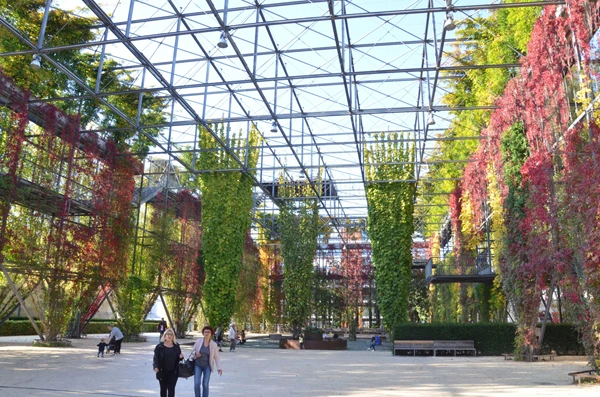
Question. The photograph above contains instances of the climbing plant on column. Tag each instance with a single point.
(271, 285)
(226, 205)
(248, 302)
(181, 281)
(391, 222)
(299, 228)
(351, 264)
(138, 291)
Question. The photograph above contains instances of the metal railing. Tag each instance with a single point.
(473, 264)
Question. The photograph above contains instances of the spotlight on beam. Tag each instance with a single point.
(449, 22)
(223, 41)
(430, 119)
(36, 64)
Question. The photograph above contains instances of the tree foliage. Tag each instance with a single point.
(63, 29)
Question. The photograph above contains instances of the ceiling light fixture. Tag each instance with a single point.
(449, 22)
(274, 126)
(223, 40)
(36, 64)
(430, 119)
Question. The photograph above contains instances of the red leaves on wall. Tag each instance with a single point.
(475, 182)
(455, 210)
(186, 250)
(73, 171)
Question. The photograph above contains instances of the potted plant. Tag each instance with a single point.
(313, 333)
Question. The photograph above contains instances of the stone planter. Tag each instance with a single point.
(327, 344)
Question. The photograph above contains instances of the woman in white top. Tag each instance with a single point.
(207, 357)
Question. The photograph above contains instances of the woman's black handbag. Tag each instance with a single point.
(186, 368)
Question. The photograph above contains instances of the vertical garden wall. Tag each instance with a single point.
(68, 194)
(540, 152)
(353, 276)
(498, 38)
(64, 225)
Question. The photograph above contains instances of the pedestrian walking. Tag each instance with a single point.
(232, 333)
(207, 357)
(101, 346)
(162, 326)
(166, 363)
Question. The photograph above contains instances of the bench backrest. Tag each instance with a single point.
(413, 344)
(454, 344)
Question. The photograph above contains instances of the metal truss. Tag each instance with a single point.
(318, 79)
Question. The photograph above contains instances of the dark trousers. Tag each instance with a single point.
(118, 346)
(167, 384)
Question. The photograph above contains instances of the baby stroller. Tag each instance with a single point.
(111, 345)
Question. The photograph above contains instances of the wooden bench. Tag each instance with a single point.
(454, 346)
(426, 346)
(587, 374)
(413, 346)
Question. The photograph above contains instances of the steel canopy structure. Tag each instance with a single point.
(317, 78)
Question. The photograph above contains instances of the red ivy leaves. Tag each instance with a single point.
(475, 182)
(538, 98)
(455, 210)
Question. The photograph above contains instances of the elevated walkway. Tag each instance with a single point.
(43, 199)
(467, 269)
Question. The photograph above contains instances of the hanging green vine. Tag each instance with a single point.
(299, 227)
(138, 293)
(390, 210)
(182, 281)
(226, 205)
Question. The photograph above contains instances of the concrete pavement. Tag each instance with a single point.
(269, 372)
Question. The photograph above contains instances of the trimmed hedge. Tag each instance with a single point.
(562, 338)
(492, 338)
(18, 327)
(14, 327)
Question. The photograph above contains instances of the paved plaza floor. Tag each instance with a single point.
(257, 370)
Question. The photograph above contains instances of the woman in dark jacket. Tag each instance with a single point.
(165, 363)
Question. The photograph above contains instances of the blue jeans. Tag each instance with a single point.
(201, 373)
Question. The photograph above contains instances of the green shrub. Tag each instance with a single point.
(313, 333)
(20, 326)
(492, 338)
(563, 339)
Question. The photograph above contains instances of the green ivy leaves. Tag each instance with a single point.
(226, 205)
(299, 227)
(390, 210)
